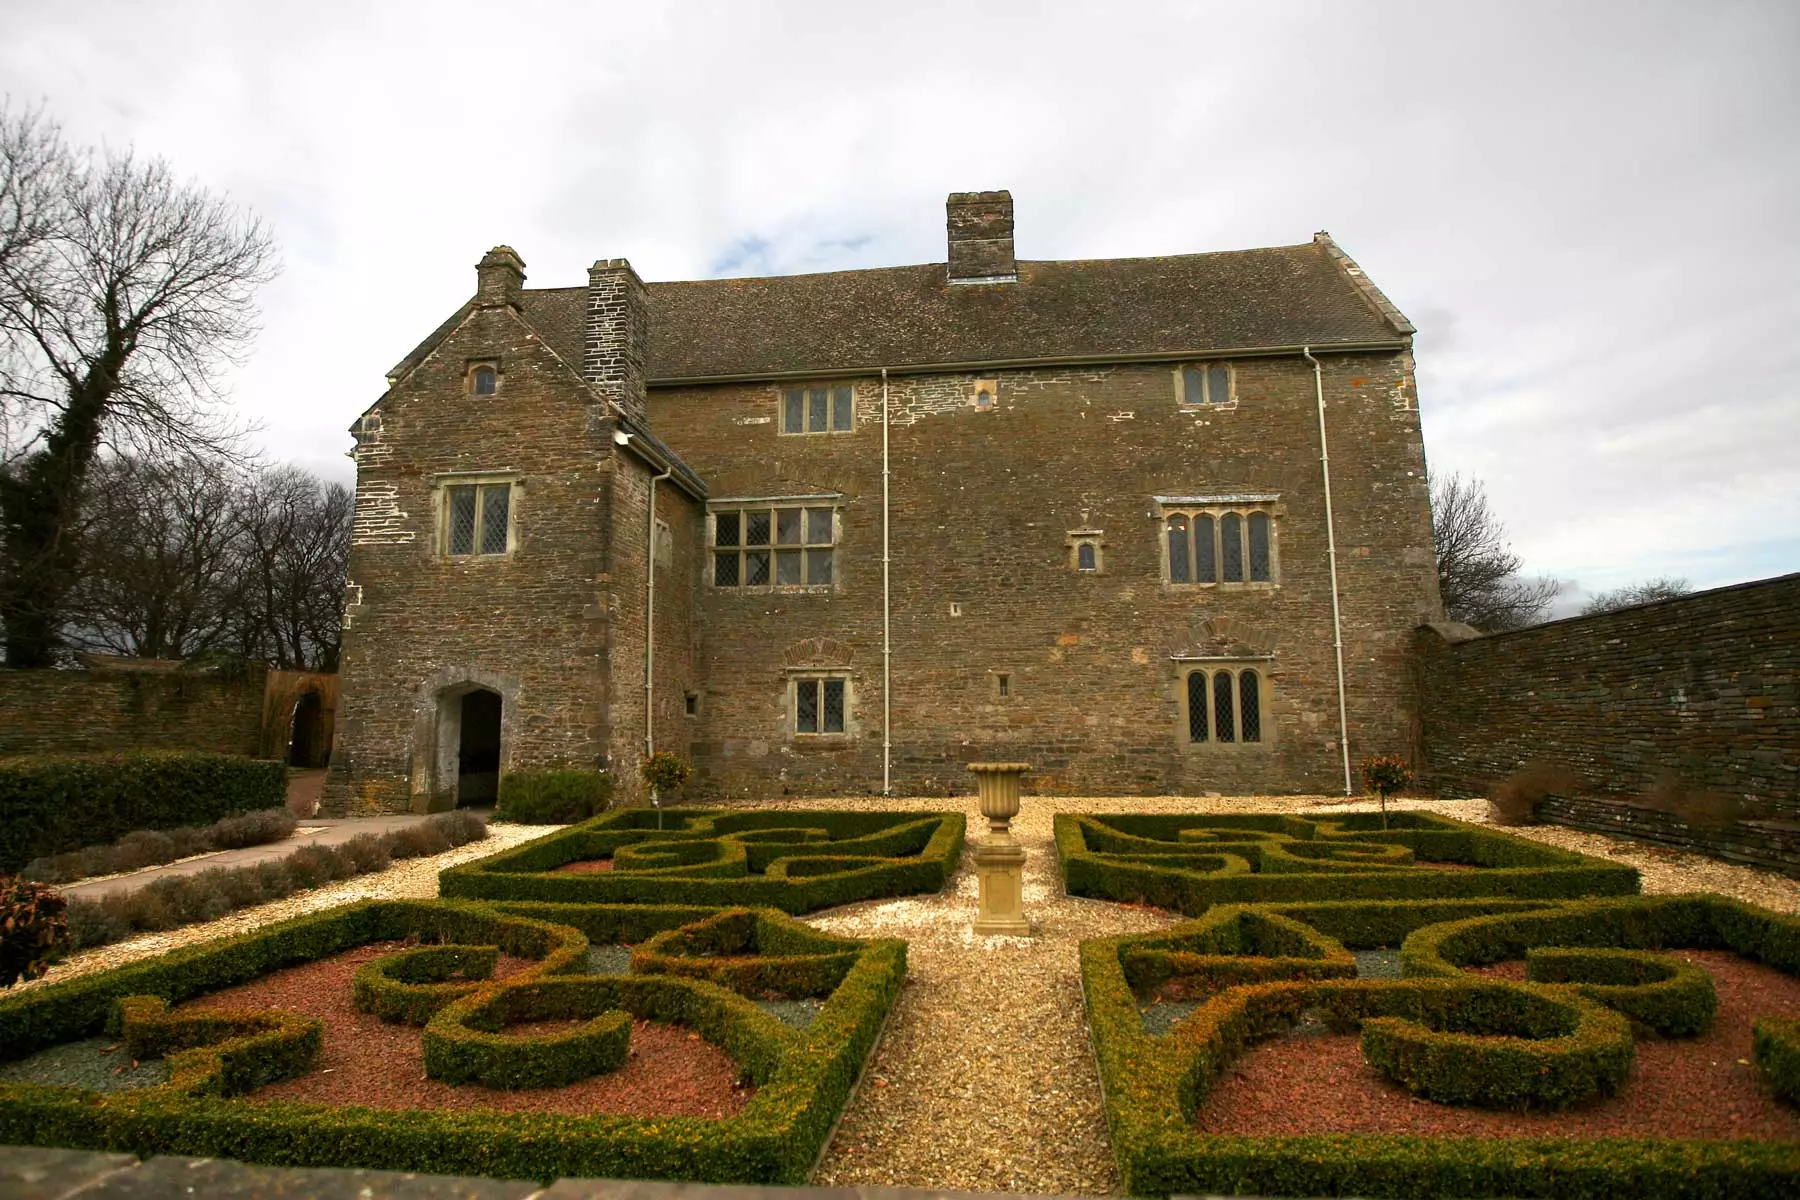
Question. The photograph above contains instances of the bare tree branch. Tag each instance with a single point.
(1478, 574)
(122, 293)
(1651, 590)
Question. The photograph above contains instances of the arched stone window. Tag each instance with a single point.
(1223, 704)
(1220, 540)
(484, 379)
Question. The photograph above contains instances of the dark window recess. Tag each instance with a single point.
(1231, 548)
(1259, 547)
(818, 706)
(692, 701)
(1250, 693)
(1224, 727)
(1004, 684)
(1196, 698)
(1206, 568)
(495, 501)
(727, 529)
(462, 520)
(725, 569)
(1084, 557)
(1178, 550)
(487, 381)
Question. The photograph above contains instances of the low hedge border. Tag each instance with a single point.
(59, 803)
(784, 863)
(223, 1053)
(1776, 1053)
(1502, 1046)
(468, 1041)
(1229, 947)
(1672, 997)
(1154, 1085)
(804, 1077)
(410, 987)
(1118, 857)
(754, 953)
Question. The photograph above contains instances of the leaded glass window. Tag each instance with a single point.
(1223, 545)
(1250, 706)
(818, 410)
(1205, 384)
(779, 545)
(1196, 697)
(819, 705)
(1258, 523)
(1224, 705)
(1224, 714)
(1085, 558)
(477, 518)
(1178, 550)
(486, 381)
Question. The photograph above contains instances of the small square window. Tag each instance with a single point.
(818, 409)
(484, 378)
(819, 705)
(477, 518)
(1204, 385)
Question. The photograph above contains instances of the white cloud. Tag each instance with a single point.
(1586, 208)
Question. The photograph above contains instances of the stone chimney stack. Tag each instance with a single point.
(618, 330)
(499, 278)
(981, 237)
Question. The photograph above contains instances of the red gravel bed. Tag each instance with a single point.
(1700, 1087)
(672, 1071)
(590, 865)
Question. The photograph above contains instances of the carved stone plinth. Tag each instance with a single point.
(999, 859)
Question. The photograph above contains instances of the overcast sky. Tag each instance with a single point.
(1589, 210)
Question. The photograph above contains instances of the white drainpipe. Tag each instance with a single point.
(887, 650)
(650, 620)
(1337, 624)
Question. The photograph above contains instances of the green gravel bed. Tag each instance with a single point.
(99, 1064)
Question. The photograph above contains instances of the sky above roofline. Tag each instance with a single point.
(1586, 209)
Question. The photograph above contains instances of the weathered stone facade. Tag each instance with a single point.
(1032, 408)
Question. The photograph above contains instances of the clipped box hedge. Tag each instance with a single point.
(1558, 1044)
(1189, 863)
(793, 861)
(49, 805)
(803, 1077)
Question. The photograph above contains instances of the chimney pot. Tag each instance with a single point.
(980, 225)
(499, 278)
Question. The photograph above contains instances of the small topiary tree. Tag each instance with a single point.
(1383, 774)
(664, 771)
(34, 929)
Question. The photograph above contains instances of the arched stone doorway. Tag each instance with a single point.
(309, 733)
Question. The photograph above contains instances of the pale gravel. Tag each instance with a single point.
(412, 878)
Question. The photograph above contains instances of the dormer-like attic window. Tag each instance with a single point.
(484, 379)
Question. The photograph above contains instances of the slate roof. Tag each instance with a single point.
(910, 317)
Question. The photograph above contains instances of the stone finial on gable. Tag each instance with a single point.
(499, 278)
(617, 331)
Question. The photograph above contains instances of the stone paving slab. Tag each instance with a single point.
(313, 831)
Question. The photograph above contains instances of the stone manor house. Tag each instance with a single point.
(1151, 525)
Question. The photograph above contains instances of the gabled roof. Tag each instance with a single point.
(1077, 311)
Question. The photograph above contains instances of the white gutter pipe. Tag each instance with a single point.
(650, 619)
(1337, 623)
(887, 649)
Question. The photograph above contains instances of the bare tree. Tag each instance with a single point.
(161, 562)
(121, 294)
(296, 545)
(1478, 574)
(1662, 588)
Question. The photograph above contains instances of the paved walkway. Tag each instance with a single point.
(313, 831)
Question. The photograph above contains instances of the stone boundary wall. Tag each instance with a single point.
(103, 712)
(1774, 845)
(1703, 690)
(33, 1173)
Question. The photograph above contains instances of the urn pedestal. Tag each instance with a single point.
(999, 859)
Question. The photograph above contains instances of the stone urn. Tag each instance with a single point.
(999, 859)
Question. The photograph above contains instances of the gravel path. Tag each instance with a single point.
(414, 878)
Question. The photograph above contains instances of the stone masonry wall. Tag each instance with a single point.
(983, 501)
(96, 712)
(531, 624)
(1704, 690)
